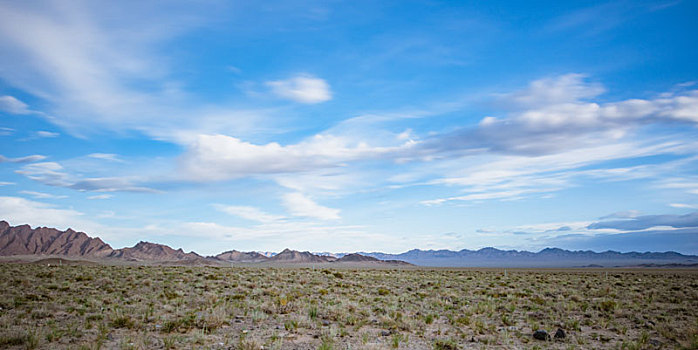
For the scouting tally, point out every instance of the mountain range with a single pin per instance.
(42, 241)
(548, 257)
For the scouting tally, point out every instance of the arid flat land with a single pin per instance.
(154, 307)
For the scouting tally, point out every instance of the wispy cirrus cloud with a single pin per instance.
(101, 196)
(12, 105)
(249, 213)
(54, 174)
(557, 135)
(25, 159)
(94, 72)
(220, 157)
(42, 195)
(644, 222)
(302, 88)
(300, 205)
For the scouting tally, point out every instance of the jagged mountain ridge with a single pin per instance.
(147, 251)
(23, 240)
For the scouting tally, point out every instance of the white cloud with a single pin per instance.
(299, 205)
(5, 183)
(47, 134)
(249, 213)
(101, 196)
(302, 88)
(12, 105)
(105, 156)
(219, 157)
(89, 64)
(42, 195)
(557, 90)
(26, 159)
(502, 195)
(23, 211)
(48, 173)
(555, 115)
(683, 206)
(627, 214)
(53, 174)
(505, 177)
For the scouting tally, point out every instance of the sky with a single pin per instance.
(345, 126)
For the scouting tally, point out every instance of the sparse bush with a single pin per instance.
(445, 344)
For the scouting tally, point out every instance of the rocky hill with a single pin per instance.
(355, 258)
(23, 240)
(236, 256)
(146, 251)
(294, 256)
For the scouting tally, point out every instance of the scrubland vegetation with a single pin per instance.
(130, 307)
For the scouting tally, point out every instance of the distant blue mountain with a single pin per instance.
(548, 257)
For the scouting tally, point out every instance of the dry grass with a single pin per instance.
(92, 307)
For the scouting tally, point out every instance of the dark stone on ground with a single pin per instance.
(386, 333)
(560, 334)
(541, 335)
(655, 343)
(325, 322)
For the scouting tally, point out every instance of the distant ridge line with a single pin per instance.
(22, 240)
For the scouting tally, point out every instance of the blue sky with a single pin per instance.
(353, 126)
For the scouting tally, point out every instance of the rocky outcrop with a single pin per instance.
(23, 240)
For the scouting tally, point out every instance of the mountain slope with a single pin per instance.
(23, 240)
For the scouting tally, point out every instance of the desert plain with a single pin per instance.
(92, 306)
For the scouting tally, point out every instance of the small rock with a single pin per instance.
(560, 334)
(325, 323)
(541, 335)
(656, 343)
(472, 339)
(385, 333)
